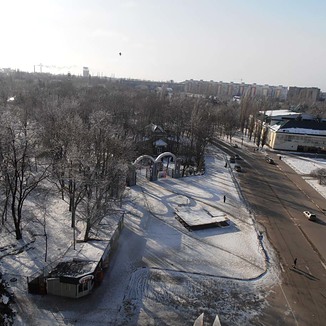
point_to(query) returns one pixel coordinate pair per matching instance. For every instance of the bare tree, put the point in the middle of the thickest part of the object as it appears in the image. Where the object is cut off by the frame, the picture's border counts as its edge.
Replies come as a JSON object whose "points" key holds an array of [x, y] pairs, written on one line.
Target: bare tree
{"points": [[102, 195], [88, 170], [178, 114], [229, 119], [106, 169], [245, 111], [320, 174], [20, 166], [202, 129], [68, 163], [261, 106]]}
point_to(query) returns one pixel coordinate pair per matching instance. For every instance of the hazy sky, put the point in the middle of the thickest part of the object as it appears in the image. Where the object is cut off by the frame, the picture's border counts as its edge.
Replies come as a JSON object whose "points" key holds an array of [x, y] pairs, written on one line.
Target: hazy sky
{"points": [[263, 41]]}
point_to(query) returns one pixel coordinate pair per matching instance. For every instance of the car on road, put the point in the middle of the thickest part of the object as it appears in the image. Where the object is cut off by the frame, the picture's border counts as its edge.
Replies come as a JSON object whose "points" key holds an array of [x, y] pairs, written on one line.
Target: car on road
{"points": [[237, 157], [235, 145], [237, 168], [232, 159], [310, 216], [269, 160]]}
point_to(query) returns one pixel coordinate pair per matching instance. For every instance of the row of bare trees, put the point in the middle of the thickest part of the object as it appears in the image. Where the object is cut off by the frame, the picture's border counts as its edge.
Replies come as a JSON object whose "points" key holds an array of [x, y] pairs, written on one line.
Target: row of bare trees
{"points": [[55, 137], [83, 139]]}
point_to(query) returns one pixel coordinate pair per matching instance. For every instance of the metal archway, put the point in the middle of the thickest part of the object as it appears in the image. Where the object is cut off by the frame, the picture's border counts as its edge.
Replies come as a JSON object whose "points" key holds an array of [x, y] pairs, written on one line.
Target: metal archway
{"points": [[153, 173], [165, 154], [140, 158]]}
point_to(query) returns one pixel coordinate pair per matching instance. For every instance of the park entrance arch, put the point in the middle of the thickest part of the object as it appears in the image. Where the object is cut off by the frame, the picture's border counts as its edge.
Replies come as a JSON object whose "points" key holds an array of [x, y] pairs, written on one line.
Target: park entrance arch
{"points": [[155, 166]]}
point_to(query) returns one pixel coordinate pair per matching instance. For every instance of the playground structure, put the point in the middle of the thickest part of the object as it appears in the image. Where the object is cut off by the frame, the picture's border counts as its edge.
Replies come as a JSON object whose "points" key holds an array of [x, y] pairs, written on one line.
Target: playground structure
{"points": [[154, 169]]}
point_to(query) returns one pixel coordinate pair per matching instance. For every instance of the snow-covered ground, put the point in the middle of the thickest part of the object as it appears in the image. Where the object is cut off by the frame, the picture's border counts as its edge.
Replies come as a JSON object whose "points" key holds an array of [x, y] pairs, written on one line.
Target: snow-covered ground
{"points": [[163, 274], [304, 165]]}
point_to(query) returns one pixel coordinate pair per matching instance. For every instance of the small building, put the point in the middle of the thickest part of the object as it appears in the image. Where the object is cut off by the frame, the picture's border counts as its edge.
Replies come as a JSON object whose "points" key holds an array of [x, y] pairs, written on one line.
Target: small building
{"points": [[154, 131], [82, 268], [160, 146], [156, 137], [73, 279]]}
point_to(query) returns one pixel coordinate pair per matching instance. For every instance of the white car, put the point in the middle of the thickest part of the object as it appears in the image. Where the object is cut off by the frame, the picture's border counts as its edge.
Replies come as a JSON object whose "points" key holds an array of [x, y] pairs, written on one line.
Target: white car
{"points": [[310, 216]]}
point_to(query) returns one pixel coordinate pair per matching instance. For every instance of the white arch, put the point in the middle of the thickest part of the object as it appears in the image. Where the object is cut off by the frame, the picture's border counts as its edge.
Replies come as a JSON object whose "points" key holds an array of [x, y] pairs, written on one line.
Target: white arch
{"points": [[165, 154], [140, 158]]}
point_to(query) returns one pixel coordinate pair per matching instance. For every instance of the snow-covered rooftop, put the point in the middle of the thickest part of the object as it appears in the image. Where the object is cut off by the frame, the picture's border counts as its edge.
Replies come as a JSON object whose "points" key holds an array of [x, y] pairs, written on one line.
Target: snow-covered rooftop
{"points": [[160, 142], [303, 127], [201, 217], [276, 113], [303, 131]]}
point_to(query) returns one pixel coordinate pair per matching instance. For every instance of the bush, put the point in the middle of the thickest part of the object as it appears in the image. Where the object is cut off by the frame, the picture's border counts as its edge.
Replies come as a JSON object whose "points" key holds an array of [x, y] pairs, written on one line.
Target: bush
{"points": [[320, 174]]}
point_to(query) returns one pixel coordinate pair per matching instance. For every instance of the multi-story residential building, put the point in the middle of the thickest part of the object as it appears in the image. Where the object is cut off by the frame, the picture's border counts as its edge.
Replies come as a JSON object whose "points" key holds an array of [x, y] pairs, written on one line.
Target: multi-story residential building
{"points": [[85, 72], [225, 91], [303, 95]]}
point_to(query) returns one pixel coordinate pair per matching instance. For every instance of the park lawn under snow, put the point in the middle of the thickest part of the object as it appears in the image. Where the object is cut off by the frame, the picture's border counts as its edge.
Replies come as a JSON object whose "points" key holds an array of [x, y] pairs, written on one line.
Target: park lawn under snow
{"points": [[182, 273], [163, 274]]}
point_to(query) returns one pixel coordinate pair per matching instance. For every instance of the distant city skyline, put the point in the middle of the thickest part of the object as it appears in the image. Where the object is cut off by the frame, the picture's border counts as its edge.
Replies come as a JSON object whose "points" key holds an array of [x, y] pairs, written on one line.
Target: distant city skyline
{"points": [[278, 42]]}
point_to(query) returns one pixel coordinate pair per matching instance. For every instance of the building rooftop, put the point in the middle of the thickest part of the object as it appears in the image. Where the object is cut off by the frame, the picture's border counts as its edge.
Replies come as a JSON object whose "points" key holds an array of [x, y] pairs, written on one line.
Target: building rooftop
{"points": [[74, 268], [306, 127]]}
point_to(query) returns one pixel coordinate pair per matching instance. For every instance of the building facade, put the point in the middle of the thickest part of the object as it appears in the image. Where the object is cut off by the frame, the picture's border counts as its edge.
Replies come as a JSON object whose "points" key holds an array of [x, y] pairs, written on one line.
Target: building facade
{"points": [[303, 95], [85, 72], [297, 135], [226, 91]]}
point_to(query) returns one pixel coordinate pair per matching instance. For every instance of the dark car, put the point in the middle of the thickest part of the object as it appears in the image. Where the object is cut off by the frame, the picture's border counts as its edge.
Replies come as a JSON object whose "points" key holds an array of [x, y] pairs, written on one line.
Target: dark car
{"points": [[269, 160], [232, 159], [310, 216], [237, 168]]}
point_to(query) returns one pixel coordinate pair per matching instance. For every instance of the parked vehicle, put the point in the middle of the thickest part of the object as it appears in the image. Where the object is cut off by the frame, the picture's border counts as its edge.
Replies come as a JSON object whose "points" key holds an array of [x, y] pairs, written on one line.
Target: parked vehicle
{"points": [[237, 168], [269, 160], [237, 157], [232, 159], [310, 216]]}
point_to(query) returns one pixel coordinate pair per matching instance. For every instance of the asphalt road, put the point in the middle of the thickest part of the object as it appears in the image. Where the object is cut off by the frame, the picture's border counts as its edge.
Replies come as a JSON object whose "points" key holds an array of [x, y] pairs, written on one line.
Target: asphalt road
{"points": [[278, 196]]}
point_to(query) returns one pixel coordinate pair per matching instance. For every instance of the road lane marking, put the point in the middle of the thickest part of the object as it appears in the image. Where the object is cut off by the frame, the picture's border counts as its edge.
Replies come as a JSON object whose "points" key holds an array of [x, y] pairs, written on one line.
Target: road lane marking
{"points": [[323, 264], [282, 268], [288, 304]]}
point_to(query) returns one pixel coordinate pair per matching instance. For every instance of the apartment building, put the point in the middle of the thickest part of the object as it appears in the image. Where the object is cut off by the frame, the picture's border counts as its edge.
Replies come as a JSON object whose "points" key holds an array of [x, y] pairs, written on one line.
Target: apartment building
{"points": [[303, 95], [226, 91]]}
